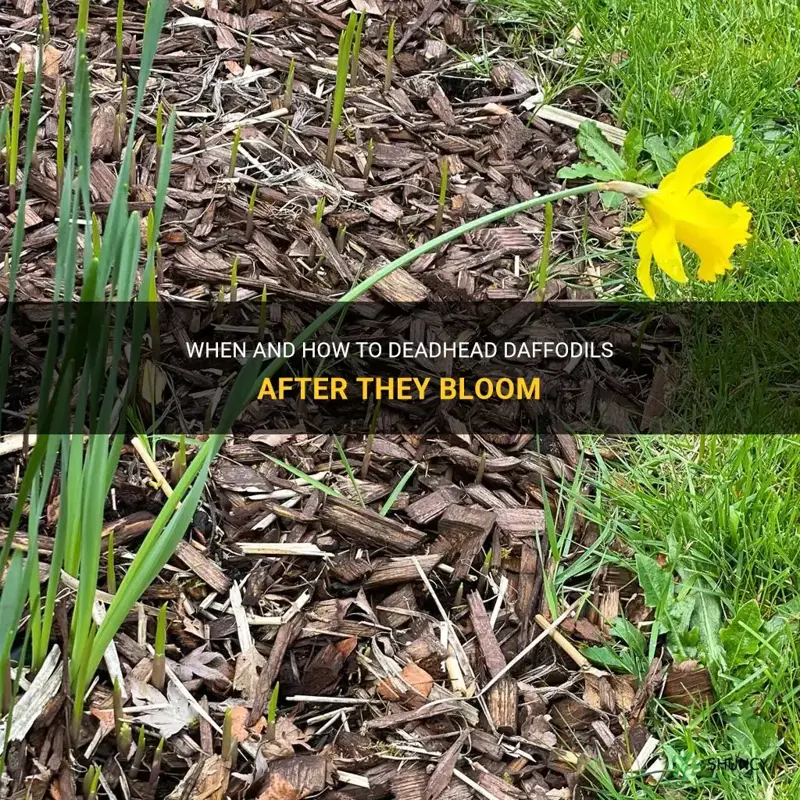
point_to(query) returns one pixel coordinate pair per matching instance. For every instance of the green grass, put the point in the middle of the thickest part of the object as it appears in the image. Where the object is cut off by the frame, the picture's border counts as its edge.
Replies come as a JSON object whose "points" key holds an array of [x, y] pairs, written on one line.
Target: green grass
{"points": [[686, 70], [719, 513], [287, 95], [723, 522]]}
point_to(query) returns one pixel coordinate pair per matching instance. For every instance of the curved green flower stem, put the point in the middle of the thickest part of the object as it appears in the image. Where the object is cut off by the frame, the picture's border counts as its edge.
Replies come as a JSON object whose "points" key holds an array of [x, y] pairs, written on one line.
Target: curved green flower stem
{"points": [[433, 244], [170, 525]]}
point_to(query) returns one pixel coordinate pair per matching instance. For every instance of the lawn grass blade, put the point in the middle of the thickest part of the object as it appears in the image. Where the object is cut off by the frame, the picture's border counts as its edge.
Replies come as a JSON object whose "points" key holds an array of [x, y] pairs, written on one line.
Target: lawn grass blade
{"points": [[349, 470], [4, 116], [118, 30], [544, 261], [287, 95], [298, 473], [443, 180]]}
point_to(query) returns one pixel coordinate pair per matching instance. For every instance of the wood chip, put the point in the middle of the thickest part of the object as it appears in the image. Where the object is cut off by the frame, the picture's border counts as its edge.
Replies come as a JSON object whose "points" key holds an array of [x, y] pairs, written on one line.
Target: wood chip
{"points": [[203, 567], [432, 505], [102, 135], [400, 570], [384, 208], [441, 775], [369, 528], [286, 635], [308, 775], [688, 684]]}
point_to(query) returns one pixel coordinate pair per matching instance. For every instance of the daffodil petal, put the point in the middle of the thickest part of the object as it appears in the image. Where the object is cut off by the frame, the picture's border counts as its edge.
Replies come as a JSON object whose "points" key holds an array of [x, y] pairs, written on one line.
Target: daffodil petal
{"points": [[694, 167], [640, 225], [662, 208], [644, 247], [708, 270], [667, 254]]}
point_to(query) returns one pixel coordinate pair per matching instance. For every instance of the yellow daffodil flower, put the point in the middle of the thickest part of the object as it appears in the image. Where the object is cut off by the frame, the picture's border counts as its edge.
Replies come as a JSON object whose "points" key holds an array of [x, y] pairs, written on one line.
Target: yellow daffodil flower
{"points": [[679, 213]]}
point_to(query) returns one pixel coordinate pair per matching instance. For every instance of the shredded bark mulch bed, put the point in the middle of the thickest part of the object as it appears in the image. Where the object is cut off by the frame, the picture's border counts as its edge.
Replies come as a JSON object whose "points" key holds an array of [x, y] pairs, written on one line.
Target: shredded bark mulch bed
{"points": [[417, 650], [468, 109]]}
